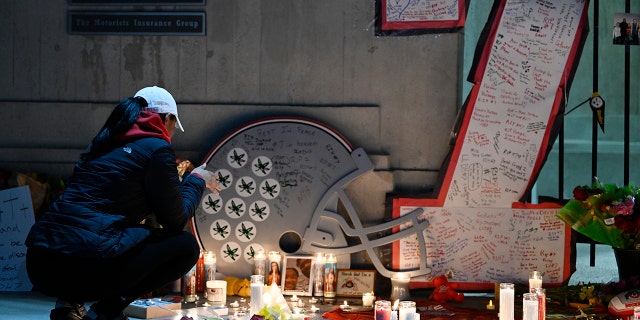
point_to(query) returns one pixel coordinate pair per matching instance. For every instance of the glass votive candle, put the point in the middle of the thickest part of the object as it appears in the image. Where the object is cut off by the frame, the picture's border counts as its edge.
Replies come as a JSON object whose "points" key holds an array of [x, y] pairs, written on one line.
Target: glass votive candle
{"points": [[542, 302], [406, 310], [399, 287], [257, 293], [507, 296], [367, 299], [529, 306], [382, 310], [535, 279]]}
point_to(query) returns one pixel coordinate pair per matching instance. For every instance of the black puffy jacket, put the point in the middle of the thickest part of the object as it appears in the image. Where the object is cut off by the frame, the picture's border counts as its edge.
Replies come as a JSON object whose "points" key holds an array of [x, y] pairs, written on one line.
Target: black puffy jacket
{"points": [[100, 212]]}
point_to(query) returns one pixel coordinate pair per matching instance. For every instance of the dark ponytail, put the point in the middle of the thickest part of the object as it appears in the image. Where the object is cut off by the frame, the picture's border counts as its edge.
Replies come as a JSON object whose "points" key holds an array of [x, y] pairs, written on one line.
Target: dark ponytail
{"points": [[123, 116]]}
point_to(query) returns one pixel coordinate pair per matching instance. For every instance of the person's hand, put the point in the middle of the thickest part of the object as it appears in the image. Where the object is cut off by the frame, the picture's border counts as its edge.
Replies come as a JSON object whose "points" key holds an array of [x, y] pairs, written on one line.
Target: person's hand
{"points": [[208, 177]]}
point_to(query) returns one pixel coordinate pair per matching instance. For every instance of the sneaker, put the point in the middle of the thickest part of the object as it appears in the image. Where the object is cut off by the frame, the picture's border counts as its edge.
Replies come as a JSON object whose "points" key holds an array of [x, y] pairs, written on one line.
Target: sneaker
{"points": [[77, 312]]}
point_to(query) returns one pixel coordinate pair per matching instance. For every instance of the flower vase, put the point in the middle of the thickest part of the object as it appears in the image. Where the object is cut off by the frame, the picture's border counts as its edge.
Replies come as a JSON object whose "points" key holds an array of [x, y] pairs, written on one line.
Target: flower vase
{"points": [[628, 263]]}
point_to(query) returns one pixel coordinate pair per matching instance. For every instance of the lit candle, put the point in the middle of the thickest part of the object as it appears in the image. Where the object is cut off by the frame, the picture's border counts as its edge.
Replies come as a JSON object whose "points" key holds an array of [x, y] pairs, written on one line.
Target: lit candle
{"points": [[535, 279], [394, 310], [294, 298], [297, 313], [382, 310], [367, 299], [491, 306], [318, 275], [210, 266], [399, 286], [267, 300], [313, 300], [260, 263], [314, 308], [506, 301], [345, 306], [330, 276]]}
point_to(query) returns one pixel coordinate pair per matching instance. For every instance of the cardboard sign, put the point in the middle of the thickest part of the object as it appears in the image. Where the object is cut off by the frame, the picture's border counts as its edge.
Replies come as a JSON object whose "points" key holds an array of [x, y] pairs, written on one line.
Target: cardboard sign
{"points": [[16, 218]]}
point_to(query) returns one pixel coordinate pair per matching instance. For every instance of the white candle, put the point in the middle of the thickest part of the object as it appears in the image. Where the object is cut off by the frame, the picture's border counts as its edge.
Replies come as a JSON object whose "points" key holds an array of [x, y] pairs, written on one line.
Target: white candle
{"points": [[294, 298], [394, 310], [367, 299], [535, 279], [506, 301], [529, 306], [297, 313], [407, 310], [314, 308], [399, 286], [257, 293]]}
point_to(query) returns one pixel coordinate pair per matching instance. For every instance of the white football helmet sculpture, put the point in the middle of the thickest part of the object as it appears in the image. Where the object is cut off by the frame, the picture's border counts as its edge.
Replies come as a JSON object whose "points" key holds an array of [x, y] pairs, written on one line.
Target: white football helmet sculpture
{"points": [[283, 180]]}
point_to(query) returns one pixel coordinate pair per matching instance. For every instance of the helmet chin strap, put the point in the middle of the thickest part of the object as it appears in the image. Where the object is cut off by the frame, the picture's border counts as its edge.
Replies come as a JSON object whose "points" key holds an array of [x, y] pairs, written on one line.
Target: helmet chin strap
{"points": [[327, 230]]}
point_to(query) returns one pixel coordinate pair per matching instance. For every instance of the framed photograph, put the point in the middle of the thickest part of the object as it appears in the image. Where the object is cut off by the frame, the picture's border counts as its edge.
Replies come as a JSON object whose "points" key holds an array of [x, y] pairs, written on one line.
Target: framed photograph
{"points": [[353, 283], [297, 275], [626, 28]]}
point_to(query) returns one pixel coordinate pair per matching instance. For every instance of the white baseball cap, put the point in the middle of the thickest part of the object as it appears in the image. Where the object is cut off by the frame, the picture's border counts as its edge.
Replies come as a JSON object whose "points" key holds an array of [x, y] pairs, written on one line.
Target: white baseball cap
{"points": [[160, 100]]}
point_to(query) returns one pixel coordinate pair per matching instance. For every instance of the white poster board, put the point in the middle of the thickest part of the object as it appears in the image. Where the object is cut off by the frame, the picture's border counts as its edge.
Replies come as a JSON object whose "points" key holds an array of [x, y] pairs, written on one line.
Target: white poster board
{"points": [[516, 98], [481, 246], [16, 218]]}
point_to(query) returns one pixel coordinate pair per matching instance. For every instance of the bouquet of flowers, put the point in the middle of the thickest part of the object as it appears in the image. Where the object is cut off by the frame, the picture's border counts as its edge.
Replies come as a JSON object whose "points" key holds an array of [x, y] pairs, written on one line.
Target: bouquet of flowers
{"points": [[606, 213]]}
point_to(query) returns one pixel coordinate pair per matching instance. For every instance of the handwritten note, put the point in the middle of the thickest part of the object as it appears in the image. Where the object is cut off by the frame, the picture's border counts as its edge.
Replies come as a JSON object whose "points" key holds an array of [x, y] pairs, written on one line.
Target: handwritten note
{"points": [[490, 244], [422, 10], [516, 93], [16, 218]]}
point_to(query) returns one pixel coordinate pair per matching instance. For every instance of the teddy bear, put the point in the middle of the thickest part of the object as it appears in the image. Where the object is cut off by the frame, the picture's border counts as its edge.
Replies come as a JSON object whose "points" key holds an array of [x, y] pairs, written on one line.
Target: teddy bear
{"points": [[445, 291], [238, 286]]}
